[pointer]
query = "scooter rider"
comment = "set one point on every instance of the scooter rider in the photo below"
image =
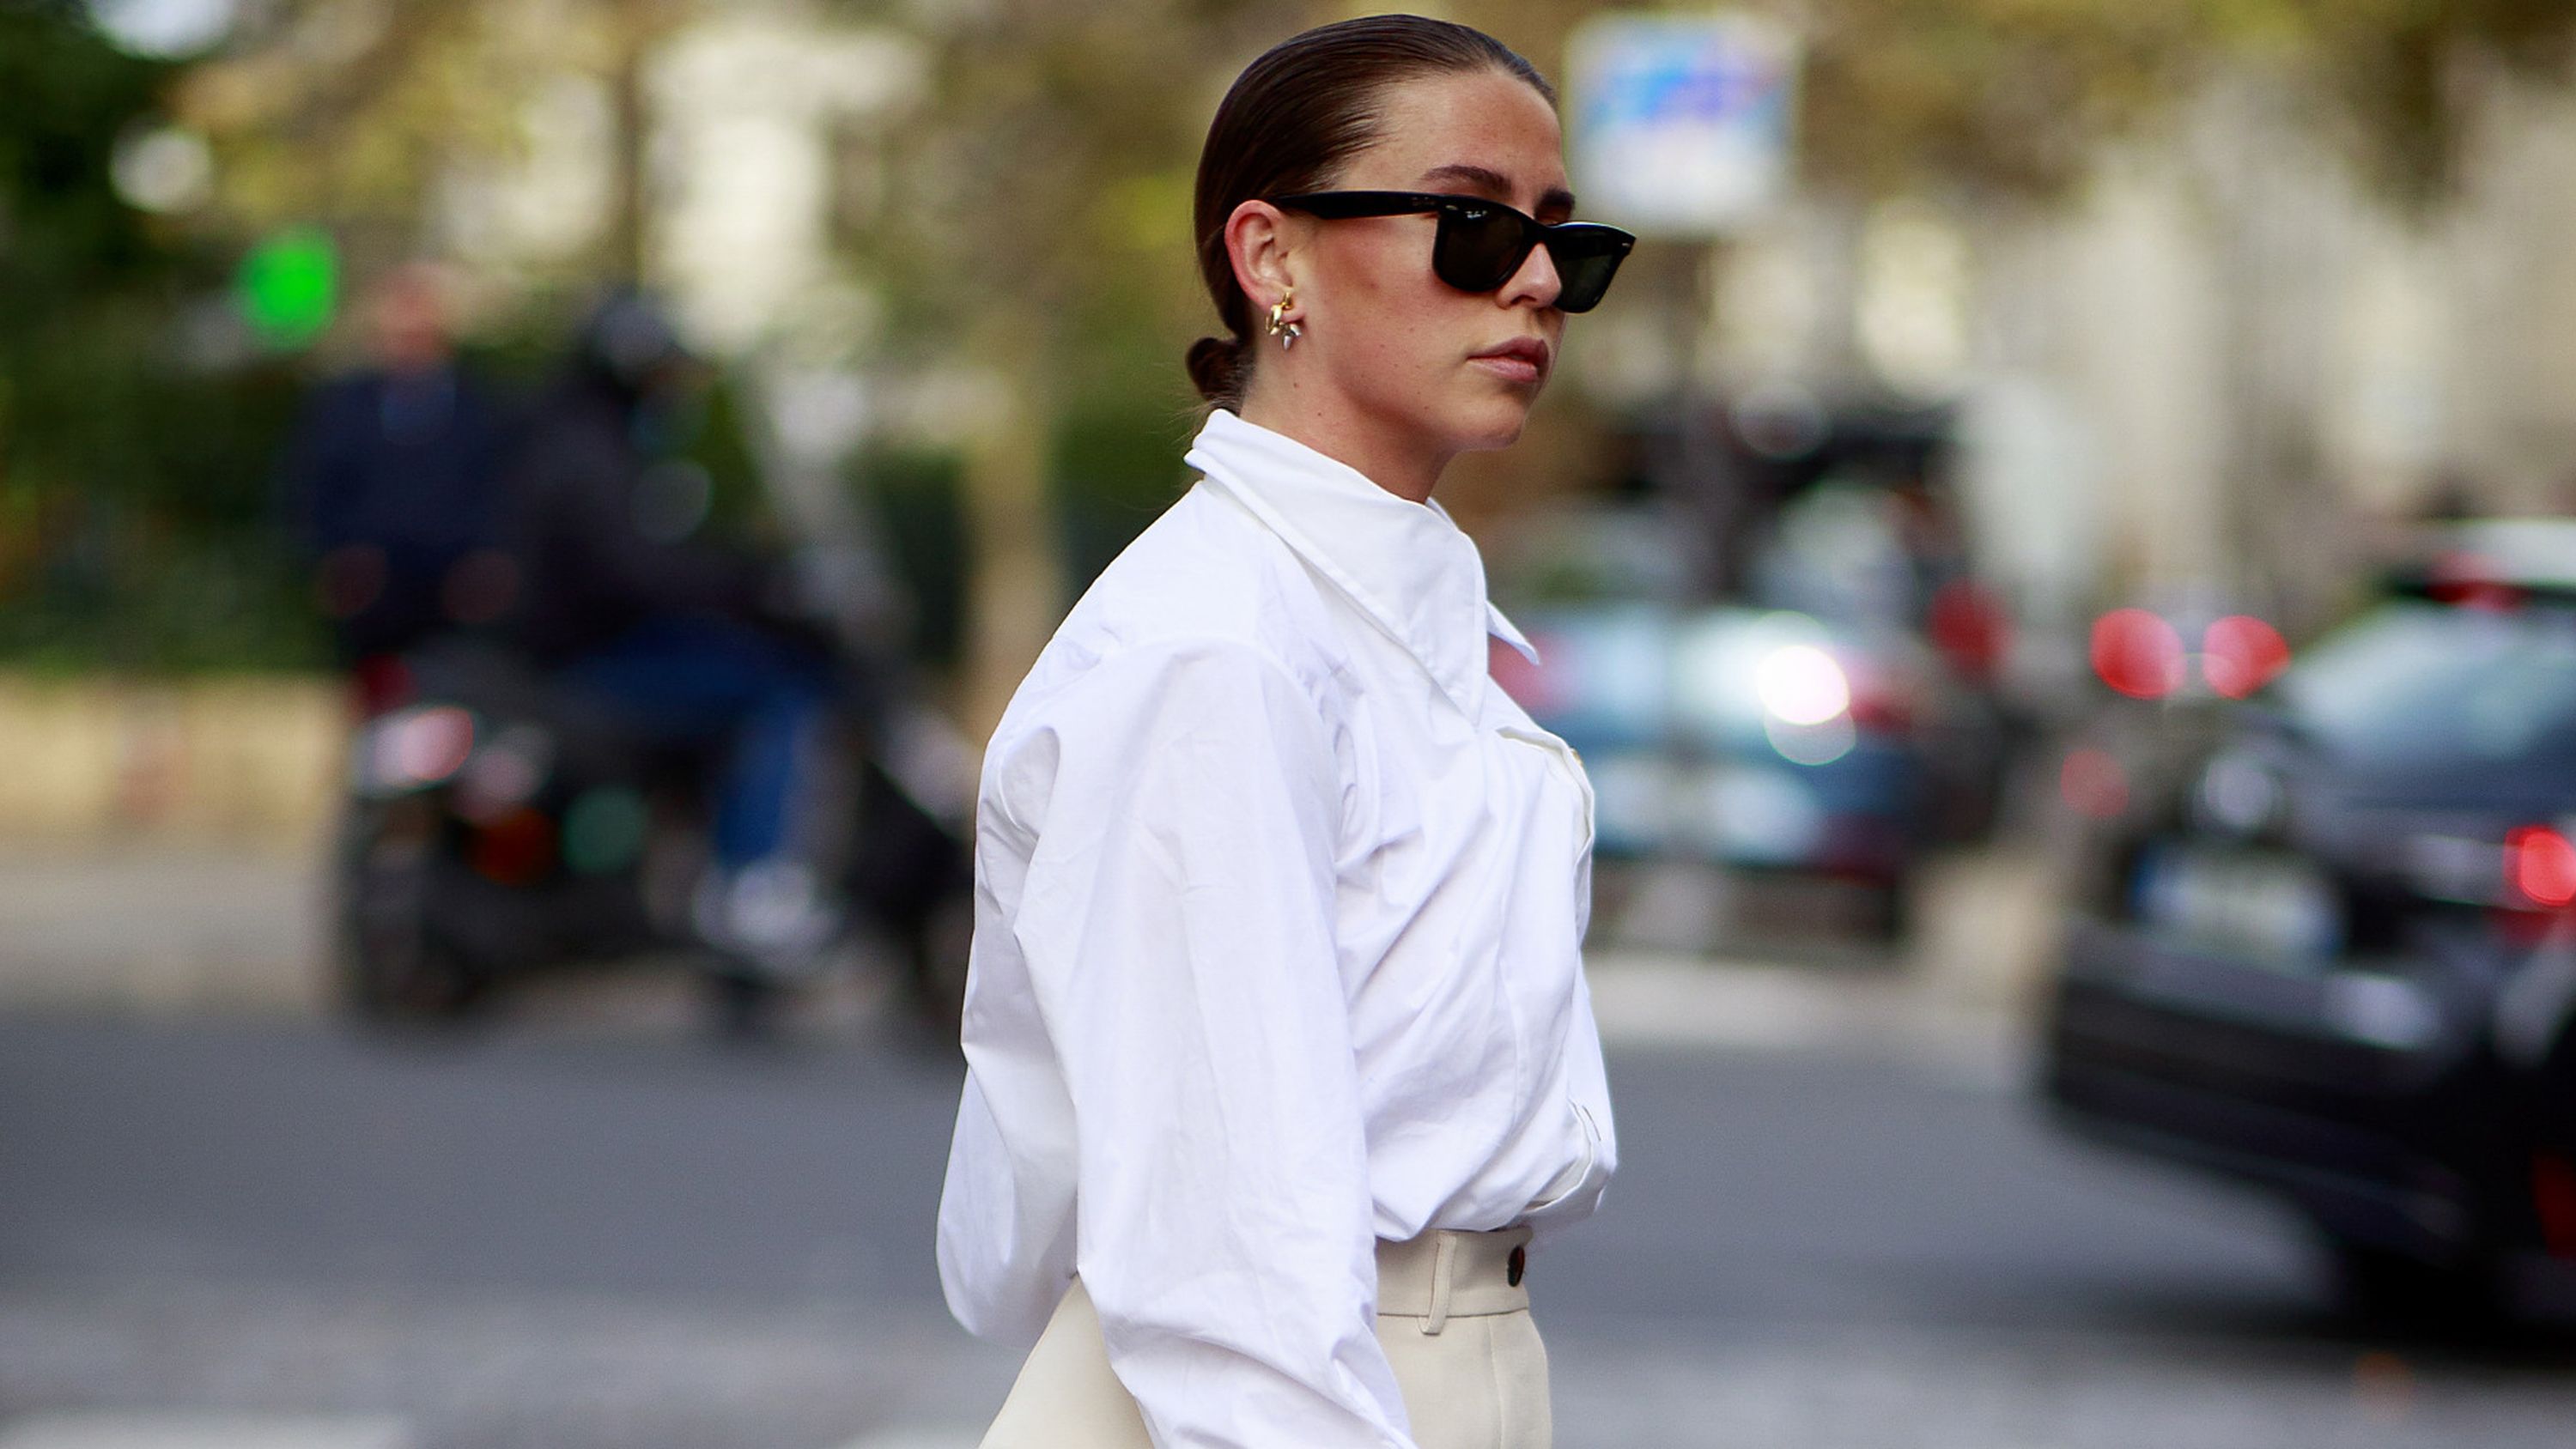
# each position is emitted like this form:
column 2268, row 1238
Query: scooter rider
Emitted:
column 627, row 600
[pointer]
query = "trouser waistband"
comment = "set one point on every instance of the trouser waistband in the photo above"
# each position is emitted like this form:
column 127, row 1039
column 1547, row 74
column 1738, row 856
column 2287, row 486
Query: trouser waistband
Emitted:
column 1443, row 1275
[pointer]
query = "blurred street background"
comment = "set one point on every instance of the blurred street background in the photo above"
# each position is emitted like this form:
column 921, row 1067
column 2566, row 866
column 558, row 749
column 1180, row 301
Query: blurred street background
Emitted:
column 2059, row 555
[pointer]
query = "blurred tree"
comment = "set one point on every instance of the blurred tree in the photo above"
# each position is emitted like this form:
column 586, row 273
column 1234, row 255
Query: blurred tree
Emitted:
column 1034, row 225
column 2412, row 75
column 2017, row 96
column 133, row 463
column 361, row 117
column 1032, row 216
column 1025, row 226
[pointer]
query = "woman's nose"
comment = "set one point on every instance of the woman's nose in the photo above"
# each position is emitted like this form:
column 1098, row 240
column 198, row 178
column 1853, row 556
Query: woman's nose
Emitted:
column 1536, row 280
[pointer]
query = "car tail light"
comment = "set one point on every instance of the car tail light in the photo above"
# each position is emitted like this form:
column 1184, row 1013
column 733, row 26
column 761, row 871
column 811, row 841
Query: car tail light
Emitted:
column 2137, row 653
column 2240, row 654
column 2553, row 1201
column 384, row 684
column 2472, row 582
column 2540, row 867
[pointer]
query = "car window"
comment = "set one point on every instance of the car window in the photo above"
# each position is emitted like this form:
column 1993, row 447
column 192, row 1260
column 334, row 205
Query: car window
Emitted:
column 1838, row 552
column 2422, row 683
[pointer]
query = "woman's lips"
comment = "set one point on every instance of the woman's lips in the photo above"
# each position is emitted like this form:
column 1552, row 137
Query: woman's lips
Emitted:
column 1521, row 361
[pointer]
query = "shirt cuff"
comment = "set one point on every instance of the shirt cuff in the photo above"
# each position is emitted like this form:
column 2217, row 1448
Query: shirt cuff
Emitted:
column 1570, row 1181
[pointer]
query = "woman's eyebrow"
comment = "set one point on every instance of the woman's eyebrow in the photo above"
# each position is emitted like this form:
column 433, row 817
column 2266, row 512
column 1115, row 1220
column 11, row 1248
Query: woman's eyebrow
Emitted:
column 1496, row 184
column 1491, row 180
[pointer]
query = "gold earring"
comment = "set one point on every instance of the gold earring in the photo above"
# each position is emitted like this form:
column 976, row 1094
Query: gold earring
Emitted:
column 1279, row 326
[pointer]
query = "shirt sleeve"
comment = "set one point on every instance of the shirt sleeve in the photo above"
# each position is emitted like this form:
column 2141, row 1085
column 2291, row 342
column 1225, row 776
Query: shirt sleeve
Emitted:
column 1577, row 1192
column 1177, row 921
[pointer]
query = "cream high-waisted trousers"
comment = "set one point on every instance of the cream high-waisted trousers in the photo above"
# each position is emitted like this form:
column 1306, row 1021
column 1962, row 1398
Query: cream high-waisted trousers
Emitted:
column 1452, row 1312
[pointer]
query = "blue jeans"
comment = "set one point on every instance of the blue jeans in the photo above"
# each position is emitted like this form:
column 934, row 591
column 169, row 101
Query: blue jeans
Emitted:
column 707, row 682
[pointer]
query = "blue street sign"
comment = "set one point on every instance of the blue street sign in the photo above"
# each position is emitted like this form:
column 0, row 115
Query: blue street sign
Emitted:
column 1682, row 123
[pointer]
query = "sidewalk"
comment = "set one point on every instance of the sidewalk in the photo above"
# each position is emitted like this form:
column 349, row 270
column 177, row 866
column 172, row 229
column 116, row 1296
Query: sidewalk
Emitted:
column 171, row 930
column 163, row 928
column 1956, row 992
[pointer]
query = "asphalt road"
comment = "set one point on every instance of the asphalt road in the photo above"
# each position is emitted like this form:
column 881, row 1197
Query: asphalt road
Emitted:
column 552, row 1234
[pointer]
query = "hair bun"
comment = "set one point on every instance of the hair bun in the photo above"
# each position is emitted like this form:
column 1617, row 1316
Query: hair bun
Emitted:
column 1216, row 367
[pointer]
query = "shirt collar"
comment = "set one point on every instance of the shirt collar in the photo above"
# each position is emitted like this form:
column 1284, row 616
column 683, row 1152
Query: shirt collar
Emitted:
column 1406, row 565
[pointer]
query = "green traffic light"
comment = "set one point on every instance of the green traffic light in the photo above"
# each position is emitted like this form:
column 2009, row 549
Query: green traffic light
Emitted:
column 289, row 286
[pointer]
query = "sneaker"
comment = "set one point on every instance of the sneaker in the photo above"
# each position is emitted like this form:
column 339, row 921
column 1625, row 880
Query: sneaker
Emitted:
column 771, row 914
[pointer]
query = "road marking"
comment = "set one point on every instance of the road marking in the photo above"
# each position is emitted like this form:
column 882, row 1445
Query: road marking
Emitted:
column 201, row 1431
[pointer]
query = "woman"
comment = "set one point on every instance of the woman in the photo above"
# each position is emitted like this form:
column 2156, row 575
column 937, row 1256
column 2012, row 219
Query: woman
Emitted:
column 1279, row 1049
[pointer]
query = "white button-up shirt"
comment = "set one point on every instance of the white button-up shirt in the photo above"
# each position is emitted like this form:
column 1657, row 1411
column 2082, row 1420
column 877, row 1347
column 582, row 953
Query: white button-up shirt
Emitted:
column 1279, row 912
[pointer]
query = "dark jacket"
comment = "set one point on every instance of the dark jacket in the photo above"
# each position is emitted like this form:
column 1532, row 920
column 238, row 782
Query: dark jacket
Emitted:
column 392, row 480
column 598, row 554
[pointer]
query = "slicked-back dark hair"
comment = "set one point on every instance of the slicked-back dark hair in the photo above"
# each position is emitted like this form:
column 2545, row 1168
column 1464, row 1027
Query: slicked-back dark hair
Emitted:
column 1291, row 119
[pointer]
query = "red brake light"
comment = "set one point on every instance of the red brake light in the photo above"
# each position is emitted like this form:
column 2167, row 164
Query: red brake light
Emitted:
column 2472, row 582
column 384, row 684
column 2240, row 654
column 2553, row 1197
column 2540, row 867
column 2137, row 653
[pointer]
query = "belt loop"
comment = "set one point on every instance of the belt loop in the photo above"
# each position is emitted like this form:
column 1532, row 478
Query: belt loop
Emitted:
column 1444, row 1248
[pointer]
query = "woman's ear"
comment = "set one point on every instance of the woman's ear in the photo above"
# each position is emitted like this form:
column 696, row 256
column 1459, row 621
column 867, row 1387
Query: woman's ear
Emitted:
column 1259, row 239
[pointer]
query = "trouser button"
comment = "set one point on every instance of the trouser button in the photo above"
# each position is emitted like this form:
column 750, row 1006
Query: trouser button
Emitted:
column 1519, row 1264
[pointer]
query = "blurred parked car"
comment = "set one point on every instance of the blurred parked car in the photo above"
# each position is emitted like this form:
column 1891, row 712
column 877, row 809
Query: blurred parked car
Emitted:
column 1834, row 742
column 2333, row 952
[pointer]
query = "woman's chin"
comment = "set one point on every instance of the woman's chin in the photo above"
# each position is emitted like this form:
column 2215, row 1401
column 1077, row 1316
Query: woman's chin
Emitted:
column 1492, row 421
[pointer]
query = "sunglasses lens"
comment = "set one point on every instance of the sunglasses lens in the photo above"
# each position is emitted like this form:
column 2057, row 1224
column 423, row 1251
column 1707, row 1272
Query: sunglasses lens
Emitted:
column 1478, row 250
column 1584, row 269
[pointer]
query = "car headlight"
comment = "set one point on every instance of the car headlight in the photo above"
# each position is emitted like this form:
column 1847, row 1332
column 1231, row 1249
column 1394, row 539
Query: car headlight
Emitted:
column 1801, row 684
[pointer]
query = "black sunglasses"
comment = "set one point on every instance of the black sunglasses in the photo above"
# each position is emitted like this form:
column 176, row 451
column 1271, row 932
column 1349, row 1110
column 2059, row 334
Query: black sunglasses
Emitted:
column 1481, row 244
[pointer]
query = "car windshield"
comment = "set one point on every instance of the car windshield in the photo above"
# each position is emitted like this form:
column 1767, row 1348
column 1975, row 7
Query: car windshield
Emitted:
column 2420, row 683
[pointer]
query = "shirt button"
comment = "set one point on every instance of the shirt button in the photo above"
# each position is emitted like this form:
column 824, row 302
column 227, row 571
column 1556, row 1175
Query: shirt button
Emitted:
column 1519, row 1264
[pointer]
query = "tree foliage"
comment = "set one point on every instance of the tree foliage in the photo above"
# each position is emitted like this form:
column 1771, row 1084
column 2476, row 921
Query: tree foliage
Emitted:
column 132, row 475
column 1043, row 190
column 1036, row 204
column 1028, row 218
column 2018, row 95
